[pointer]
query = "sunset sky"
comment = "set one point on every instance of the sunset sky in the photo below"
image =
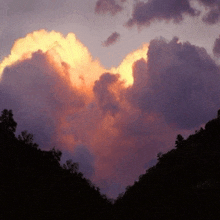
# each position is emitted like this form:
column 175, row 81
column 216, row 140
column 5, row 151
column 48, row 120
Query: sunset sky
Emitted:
column 110, row 82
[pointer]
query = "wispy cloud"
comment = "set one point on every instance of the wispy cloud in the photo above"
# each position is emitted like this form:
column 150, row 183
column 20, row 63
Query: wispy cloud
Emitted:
column 113, row 38
column 107, row 6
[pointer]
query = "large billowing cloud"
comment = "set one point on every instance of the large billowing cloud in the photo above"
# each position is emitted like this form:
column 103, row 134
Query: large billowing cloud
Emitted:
column 180, row 81
column 111, row 39
column 68, row 100
column 145, row 13
column 34, row 90
column 112, row 127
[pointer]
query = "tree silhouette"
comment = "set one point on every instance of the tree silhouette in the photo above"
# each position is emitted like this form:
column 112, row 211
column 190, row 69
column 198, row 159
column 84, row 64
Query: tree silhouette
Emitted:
column 184, row 184
column 218, row 114
column 71, row 167
column 56, row 154
column 179, row 140
column 7, row 121
column 33, row 184
column 27, row 139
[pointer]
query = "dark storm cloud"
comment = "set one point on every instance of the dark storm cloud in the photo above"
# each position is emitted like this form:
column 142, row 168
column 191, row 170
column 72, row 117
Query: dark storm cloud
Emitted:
column 179, row 81
column 107, row 6
column 35, row 93
column 111, row 39
column 145, row 13
column 105, row 97
column 216, row 48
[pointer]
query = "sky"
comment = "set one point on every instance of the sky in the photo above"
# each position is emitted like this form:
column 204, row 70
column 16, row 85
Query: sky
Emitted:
column 110, row 83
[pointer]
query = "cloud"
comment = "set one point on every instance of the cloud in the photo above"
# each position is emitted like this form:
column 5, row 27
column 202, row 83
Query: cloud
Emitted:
column 39, row 97
column 179, row 81
column 34, row 90
column 212, row 17
column 213, row 14
column 108, row 6
column 216, row 48
column 67, row 100
column 85, row 159
column 111, row 39
column 112, row 128
column 146, row 13
column 106, row 99
column 111, row 187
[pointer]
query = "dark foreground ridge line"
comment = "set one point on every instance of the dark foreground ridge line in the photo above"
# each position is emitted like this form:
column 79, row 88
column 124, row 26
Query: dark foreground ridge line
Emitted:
column 184, row 184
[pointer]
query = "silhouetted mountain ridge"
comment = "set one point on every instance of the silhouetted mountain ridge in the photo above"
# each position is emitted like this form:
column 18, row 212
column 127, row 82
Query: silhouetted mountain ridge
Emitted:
column 33, row 184
column 185, row 182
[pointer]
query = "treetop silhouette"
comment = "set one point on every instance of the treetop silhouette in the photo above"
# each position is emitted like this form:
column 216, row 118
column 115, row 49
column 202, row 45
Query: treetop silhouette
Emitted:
column 7, row 121
column 184, row 184
column 34, row 185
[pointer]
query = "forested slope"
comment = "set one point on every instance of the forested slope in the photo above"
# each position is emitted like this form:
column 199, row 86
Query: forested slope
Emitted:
column 33, row 184
column 184, row 184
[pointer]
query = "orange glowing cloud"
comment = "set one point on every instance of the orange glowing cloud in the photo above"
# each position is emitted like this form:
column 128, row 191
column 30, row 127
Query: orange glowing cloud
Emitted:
column 125, row 68
column 90, row 102
column 83, row 70
column 118, row 119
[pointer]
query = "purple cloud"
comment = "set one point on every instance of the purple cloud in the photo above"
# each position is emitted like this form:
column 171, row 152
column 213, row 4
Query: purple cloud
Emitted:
column 114, row 131
column 107, row 101
column 213, row 15
column 111, row 39
column 145, row 13
column 30, row 88
column 216, row 48
column 85, row 159
column 180, row 81
column 107, row 6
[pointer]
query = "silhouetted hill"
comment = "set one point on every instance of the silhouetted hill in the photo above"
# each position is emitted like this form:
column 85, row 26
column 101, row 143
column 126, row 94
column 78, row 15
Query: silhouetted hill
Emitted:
column 184, row 184
column 33, row 184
